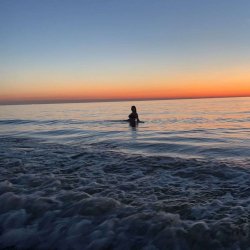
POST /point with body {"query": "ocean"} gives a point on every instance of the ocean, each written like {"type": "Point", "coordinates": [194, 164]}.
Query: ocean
{"type": "Point", "coordinates": [78, 176]}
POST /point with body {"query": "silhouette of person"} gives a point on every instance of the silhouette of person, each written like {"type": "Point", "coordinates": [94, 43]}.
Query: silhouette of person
{"type": "Point", "coordinates": [133, 117]}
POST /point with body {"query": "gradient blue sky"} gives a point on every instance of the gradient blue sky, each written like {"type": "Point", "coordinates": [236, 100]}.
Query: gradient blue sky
{"type": "Point", "coordinates": [77, 49]}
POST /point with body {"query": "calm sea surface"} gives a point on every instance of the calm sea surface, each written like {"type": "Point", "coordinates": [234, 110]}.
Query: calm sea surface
{"type": "Point", "coordinates": [201, 128]}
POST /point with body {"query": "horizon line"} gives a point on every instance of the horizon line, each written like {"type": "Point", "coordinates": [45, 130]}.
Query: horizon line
{"type": "Point", "coordinates": [61, 101]}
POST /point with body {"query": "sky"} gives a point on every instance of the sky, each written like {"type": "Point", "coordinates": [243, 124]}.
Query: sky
{"type": "Point", "coordinates": [58, 50]}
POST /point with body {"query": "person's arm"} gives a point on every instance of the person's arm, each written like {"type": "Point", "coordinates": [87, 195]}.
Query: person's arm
{"type": "Point", "coordinates": [138, 118]}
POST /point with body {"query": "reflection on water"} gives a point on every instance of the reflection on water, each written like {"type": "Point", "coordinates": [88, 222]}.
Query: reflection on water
{"type": "Point", "coordinates": [187, 128]}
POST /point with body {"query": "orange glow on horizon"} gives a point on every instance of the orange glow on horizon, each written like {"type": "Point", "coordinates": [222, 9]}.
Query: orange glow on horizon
{"type": "Point", "coordinates": [185, 85]}
{"type": "Point", "coordinates": [156, 91]}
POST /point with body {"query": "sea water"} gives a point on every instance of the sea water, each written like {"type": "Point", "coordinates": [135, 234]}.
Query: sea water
{"type": "Point", "coordinates": [78, 176]}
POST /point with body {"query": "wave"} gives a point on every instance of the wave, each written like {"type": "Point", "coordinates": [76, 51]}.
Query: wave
{"type": "Point", "coordinates": [51, 122]}
{"type": "Point", "coordinates": [86, 197]}
{"type": "Point", "coordinates": [46, 122]}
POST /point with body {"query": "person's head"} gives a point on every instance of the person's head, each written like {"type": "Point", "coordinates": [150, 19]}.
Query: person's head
{"type": "Point", "coordinates": [133, 109]}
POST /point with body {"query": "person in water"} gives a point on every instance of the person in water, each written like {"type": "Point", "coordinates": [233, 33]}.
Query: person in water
{"type": "Point", "coordinates": [133, 117]}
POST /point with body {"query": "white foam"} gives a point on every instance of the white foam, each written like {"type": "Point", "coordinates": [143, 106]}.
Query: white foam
{"type": "Point", "coordinates": [103, 199]}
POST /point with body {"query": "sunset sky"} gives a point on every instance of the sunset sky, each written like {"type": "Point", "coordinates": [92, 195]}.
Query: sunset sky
{"type": "Point", "coordinates": [55, 50]}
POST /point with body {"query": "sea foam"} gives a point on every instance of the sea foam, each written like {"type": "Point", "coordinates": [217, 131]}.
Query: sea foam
{"type": "Point", "coordinates": [57, 196]}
